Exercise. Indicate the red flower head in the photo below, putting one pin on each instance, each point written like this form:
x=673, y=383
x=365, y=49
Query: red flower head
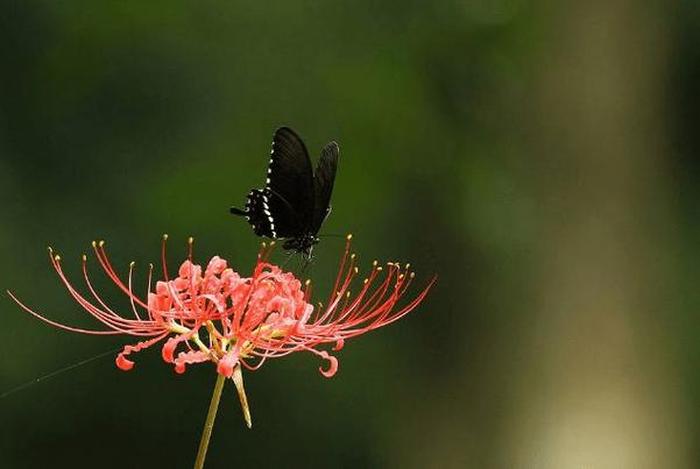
x=215, y=315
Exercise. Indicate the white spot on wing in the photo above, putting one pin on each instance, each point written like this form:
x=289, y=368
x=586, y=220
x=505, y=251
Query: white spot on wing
x=266, y=210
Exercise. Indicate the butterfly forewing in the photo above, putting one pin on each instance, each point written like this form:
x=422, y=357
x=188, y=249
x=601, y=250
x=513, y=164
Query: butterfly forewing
x=324, y=177
x=289, y=186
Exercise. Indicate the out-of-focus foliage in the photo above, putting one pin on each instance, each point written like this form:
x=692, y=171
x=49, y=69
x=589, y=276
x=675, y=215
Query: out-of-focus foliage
x=474, y=144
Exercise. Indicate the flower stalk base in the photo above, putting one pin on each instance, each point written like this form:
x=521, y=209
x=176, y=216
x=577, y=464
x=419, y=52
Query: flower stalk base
x=209, y=423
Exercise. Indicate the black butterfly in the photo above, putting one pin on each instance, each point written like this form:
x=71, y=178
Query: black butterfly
x=295, y=200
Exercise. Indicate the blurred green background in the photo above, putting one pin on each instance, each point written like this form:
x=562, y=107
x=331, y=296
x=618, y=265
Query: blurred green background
x=541, y=157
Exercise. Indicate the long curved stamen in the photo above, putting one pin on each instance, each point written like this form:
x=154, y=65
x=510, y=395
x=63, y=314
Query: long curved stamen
x=57, y=324
x=131, y=292
x=113, y=321
x=341, y=267
x=109, y=317
x=148, y=291
x=163, y=262
x=103, y=259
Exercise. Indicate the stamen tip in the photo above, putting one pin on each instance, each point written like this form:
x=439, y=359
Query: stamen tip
x=84, y=257
x=308, y=282
x=190, y=240
x=413, y=274
x=379, y=269
x=132, y=264
x=50, y=249
x=352, y=256
x=165, y=236
x=272, y=243
x=57, y=258
x=357, y=271
x=94, y=244
x=349, y=236
x=374, y=263
x=102, y=242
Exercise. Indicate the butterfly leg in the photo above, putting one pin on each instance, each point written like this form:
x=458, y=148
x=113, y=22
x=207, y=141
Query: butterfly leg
x=286, y=261
x=306, y=264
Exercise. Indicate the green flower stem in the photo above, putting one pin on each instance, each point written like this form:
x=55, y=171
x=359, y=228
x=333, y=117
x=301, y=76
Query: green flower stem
x=209, y=423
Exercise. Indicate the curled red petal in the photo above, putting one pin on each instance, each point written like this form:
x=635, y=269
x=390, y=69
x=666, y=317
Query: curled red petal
x=187, y=358
x=168, y=351
x=332, y=365
x=339, y=344
x=124, y=363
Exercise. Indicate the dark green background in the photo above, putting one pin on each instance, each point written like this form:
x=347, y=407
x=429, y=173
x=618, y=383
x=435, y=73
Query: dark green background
x=540, y=157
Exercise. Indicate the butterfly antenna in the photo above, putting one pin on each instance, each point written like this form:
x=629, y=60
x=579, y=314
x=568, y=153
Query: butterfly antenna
x=332, y=235
x=54, y=373
x=238, y=211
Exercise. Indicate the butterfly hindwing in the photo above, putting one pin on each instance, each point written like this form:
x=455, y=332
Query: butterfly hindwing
x=324, y=177
x=257, y=212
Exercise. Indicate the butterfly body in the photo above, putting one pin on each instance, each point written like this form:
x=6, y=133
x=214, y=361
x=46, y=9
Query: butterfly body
x=296, y=199
x=303, y=244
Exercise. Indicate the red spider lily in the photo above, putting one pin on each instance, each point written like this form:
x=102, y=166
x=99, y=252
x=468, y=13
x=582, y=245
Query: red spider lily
x=216, y=315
